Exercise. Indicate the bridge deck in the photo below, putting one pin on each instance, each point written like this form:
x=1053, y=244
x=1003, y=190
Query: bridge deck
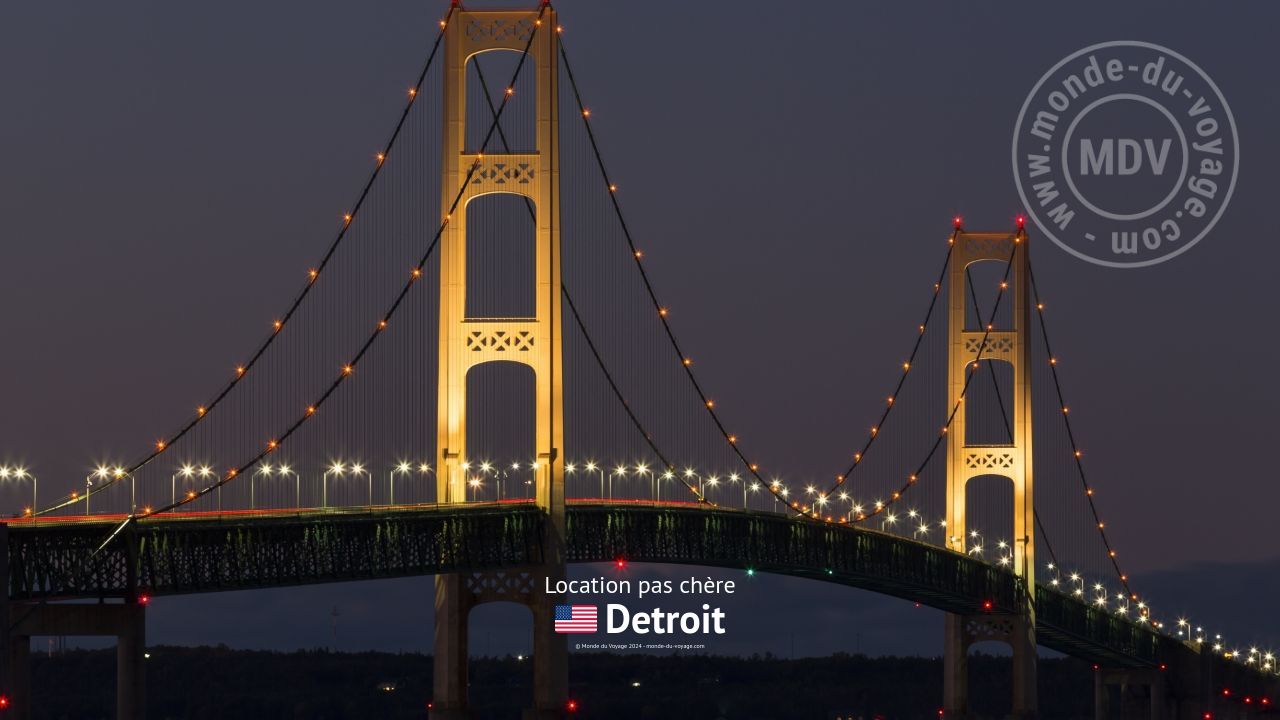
x=181, y=553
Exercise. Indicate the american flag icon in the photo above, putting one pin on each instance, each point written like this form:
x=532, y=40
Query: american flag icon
x=575, y=618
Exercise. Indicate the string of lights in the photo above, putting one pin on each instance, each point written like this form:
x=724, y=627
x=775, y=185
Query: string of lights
x=661, y=310
x=277, y=327
x=1004, y=418
x=1077, y=453
x=348, y=369
x=577, y=317
x=912, y=479
x=895, y=396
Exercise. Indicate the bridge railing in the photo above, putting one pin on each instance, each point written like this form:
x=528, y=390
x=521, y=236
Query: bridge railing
x=775, y=543
x=189, y=556
x=206, y=554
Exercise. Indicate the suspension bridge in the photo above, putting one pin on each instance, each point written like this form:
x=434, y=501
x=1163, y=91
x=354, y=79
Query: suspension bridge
x=488, y=247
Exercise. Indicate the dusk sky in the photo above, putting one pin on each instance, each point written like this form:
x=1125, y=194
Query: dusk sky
x=167, y=170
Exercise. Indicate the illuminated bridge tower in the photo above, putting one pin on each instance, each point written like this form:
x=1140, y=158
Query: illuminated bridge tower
x=966, y=461
x=466, y=342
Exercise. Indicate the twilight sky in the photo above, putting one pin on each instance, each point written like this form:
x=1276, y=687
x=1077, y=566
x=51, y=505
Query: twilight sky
x=794, y=171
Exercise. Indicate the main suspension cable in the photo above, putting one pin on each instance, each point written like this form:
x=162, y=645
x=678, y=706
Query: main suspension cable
x=577, y=317
x=660, y=310
x=313, y=275
x=1071, y=437
x=895, y=396
x=883, y=507
x=1008, y=426
x=349, y=368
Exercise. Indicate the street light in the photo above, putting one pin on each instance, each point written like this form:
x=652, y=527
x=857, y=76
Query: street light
x=286, y=471
x=532, y=483
x=336, y=468
x=357, y=470
x=486, y=467
x=642, y=470
x=474, y=482
x=20, y=473
x=569, y=469
x=102, y=472
x=592, y=467
x=733, y=477
x=403, y=468
x=206, y=472
x=186, y=471
x=668, y=476
x=263, y=469
x=620, y=470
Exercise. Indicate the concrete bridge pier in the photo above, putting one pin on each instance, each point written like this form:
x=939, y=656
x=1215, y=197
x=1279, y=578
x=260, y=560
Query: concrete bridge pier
x=1132, y=693
x=126, y=621
x=960, y=633
x=456, y=595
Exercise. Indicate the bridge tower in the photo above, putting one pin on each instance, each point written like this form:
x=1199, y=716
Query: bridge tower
x=965, y=461
x=466, y=342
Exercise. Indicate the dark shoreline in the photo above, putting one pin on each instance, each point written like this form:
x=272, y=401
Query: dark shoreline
x=217, y=682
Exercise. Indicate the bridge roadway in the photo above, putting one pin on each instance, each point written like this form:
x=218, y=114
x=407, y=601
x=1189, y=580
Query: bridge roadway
x=198, y=552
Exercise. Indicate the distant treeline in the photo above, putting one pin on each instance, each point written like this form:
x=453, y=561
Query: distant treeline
x=207, y=683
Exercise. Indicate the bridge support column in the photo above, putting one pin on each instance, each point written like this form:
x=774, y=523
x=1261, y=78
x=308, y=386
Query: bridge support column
x=19, y=677
x=550, y=664
x=961, y=632
x=468, y=340
x=955, y=668
x=449, y=701
x=131, y=669
x=1131, y=693
x=967, y=459
x=126, y=621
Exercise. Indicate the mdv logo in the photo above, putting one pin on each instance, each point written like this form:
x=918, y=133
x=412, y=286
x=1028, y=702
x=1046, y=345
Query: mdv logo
x=1123, y=156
